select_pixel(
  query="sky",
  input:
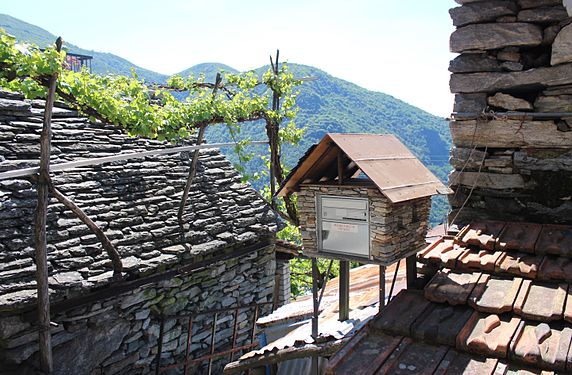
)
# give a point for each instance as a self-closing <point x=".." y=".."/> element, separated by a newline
<point x="397" y="47"/>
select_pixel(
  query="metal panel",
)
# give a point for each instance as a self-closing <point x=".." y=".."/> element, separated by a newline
<point x="343" y="225"/>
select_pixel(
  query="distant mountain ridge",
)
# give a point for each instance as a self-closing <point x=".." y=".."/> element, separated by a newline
<point x="327" y="105"/>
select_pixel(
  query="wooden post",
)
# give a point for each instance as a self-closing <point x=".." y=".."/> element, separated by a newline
<point x="340" y="167"/>
<point x="381" y="288"/>
<point x="45" y="338"/>
<point x="411" y="270"/>
<point x="315" y="331"/>
<point x="344" y="291"/>
<point x="194" y="162"/>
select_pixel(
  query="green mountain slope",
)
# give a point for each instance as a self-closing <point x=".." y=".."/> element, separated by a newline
<point x="208" y="69"/>
<point x="102" y="63"/>
<point x="327" y="105"/>
<point x="332" y="105"/>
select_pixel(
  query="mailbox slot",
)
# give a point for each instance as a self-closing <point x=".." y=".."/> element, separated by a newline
<point x="343" y="225"/>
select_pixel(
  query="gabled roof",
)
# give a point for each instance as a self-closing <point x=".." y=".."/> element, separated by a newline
<point x="398" y="174"/>
<point x="135" y="201"/>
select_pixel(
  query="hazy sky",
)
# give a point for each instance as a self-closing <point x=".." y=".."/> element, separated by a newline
<point x="393" y="46"/>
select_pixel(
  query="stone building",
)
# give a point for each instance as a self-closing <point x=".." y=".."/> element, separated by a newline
<point x="362" y="197"/>
<point x="223" y="256"/>
<point x="512" y="82"/>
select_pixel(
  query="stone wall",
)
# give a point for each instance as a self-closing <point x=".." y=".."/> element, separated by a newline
<point x="119" y="335"/>
<point x="111" y="327"/>
<point x="514" y="55"/>
<point x="396" y="229"/>
<point x="282" y="289"/>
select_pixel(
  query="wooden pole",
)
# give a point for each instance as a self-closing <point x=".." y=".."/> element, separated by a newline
<point x="45" y="339"/>
<point x="411" y="270"/>
<point x="382" y="288"/>
<point x="315" y="331"/>
<point x="194" y="162"/>
<point x="344" y="291"/>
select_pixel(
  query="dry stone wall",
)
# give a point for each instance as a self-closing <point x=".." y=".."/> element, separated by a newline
<point x="514" y="55"/>
<point x="396" y="229"/>
<point x="120" y="335"/>
<point x="135" y="202"/>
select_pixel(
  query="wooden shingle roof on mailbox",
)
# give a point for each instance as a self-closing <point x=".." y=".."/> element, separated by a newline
<point x="387" y="162"/>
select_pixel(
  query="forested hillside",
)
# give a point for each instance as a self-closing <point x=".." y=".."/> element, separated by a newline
<point x="327" y="104"/>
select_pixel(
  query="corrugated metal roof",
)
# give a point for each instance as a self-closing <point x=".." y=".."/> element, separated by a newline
<point x="398" y="174"/>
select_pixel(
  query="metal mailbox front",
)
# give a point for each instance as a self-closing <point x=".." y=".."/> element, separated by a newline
<point x="343" y="225"/>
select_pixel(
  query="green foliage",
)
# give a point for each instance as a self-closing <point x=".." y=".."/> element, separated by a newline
<point x="103" y="63"/>
<point x="152" y="113"/>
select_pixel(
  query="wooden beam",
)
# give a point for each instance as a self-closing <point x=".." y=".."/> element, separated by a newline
<point x="119" y="157"/>
<point x="45" y="336"/>
<point x="488" y="180"/>
<point x="382" y="287"/>
<point x="411" y="270"/>
<point x="340" y="167"/>
<point x="344" y="291"/>
<point x="509" y="134"/>
<point x="280" y="355"/>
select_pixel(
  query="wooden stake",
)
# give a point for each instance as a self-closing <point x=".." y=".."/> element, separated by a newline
<point x="194" y="162"/>
<point x="344" y="291"/>
<point x="107" y="245"/>
<point x="45" y="339"/>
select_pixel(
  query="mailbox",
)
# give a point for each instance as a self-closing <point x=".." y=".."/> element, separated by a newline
<point x="362" y="197"/>
<point x="343" y="226"/>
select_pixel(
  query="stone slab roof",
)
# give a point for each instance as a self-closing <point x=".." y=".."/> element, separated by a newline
<point x="508" y="310"/>
<point x="134" y="201"/>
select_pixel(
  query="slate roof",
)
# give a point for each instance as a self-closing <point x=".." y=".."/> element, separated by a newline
<point x="499" y="302"/>
<point x="134" y="201"/>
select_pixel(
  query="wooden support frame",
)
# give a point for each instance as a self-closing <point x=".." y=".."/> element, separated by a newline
<point x="344" y="291"/>
<point x="411" y="271"/>
<point x="381" y="288"/>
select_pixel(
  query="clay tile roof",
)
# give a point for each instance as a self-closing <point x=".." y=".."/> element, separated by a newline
<point x="503" y="307"/>
<point x="398" y="174"/>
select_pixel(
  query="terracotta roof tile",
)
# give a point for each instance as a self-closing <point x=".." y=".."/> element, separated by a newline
<point x="374" y="349"/>
<point x="555" y="268"/>
<point x="400" y="314"/>
<point x="568" y="308"/>
<point x="486" y="334"/>
<point x="414" y="358"/>
<point x="541" y="345"/>
<point x="456" y="363"/>
<point x="441" y="324"/>
<point x="494" y="295"/>
<point x="512" y="369"/>
<point x="519" y="236"/>
<point x="450" y="287"/>
<point x="475" y="259"/>
<point x="519" y="264"/>
<point x="482" y="234"/>
<point x="444" y="251"/>
<point x="541" y="301"/>
<point x="555" y="240"/>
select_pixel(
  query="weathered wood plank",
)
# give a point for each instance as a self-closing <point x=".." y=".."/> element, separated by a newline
<point x="509" y="134"/>
<point x="488" y="180"/>
<point x="497" y="81"/>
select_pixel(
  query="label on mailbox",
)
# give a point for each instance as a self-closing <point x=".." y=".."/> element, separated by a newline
<point x="344" y="228"/>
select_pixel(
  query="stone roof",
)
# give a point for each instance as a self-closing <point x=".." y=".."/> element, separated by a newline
<point x="499" y="302"/>
<point x="134" y="201"/>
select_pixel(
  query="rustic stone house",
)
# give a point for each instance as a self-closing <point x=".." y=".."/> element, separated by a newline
<point x="223" y="257"/>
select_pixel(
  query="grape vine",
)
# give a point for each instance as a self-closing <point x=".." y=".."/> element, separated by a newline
<point x="152" y="111"/>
